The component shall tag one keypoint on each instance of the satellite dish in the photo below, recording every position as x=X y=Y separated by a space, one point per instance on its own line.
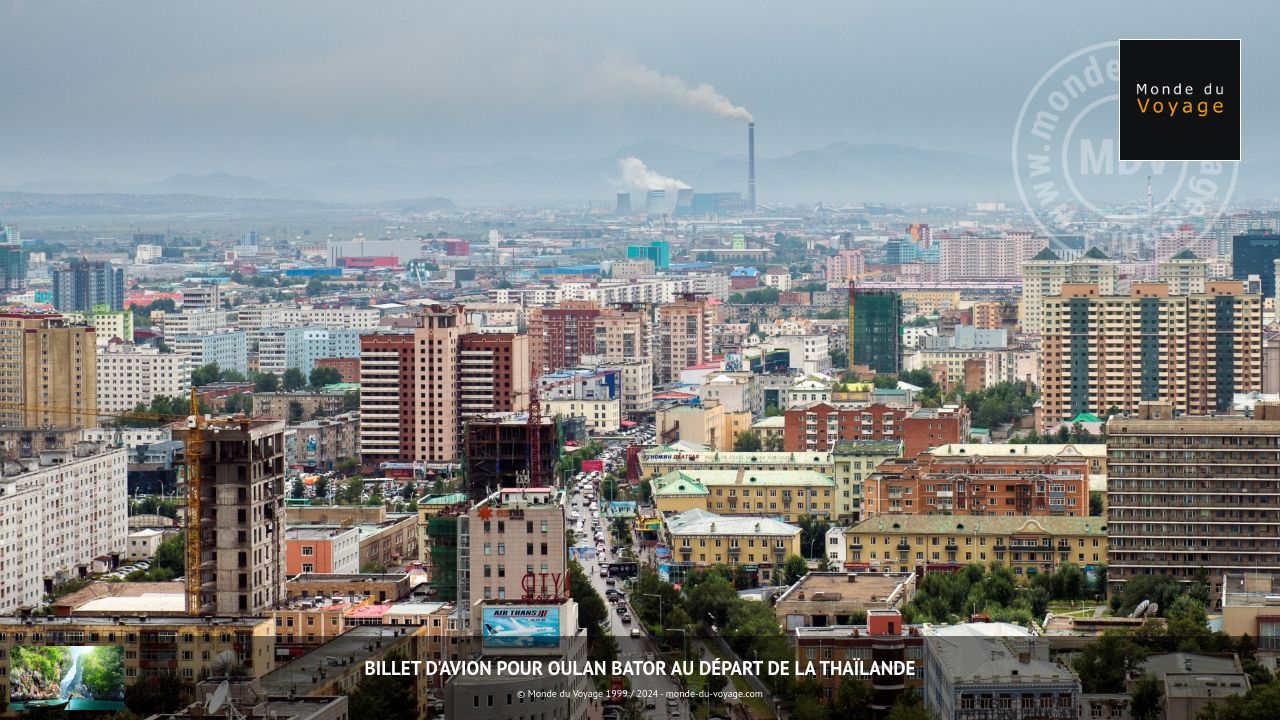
x=219 y=697
x=223 y=662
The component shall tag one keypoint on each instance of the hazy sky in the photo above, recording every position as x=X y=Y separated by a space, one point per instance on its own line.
x=137 y=91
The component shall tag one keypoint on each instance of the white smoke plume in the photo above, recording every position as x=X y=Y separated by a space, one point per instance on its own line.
x=632 y=77
x=636 y=175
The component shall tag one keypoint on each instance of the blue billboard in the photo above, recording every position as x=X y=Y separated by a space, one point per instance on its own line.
x=511 y=627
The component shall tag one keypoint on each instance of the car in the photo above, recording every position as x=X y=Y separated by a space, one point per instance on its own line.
x=622 y=609
x=635 y=633
x=648 y=656
x=672 y=704
x=604 y=573
x=626 y=619
x=610 y=581
x=649 y=703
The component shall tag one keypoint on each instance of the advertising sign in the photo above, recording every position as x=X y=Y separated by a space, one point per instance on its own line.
x=521 y=627
x=61 y=677
x=593 y=466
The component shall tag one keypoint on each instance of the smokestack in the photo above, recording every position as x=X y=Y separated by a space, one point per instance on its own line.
x=751 y=167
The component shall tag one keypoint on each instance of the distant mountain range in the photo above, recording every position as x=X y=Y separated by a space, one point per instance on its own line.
x=840 y=172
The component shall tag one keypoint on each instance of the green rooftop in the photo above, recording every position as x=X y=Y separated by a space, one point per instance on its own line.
x=744 y=477
x=981 y=525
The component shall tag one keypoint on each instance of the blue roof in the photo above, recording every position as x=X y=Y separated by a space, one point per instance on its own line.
x=570 y=270
x=744 y=272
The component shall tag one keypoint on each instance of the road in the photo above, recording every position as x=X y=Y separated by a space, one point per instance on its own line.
x=629 y=648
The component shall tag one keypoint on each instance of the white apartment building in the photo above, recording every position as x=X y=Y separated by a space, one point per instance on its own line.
x=201 y=297
x=59 y=513
x=1044 y=274
x=144 y=254
x=528 y=296
x=190 y=323
x=659 y=289
x=129 y=374
x=602 y=415
x=280 y=349
x=228 y=348
x=254 y=318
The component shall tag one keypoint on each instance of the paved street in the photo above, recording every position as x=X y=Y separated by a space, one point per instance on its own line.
x=630 y=648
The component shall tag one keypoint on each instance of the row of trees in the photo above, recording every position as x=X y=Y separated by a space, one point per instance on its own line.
x=293 y=378
x=750 y=441
x=995 y=592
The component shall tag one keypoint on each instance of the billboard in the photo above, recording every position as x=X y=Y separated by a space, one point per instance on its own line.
x=528 y=626
x=593 y=466
x=75 y=677
x=623 y=569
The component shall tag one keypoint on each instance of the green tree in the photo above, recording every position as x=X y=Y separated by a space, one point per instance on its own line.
x=384 y=697
x=747 y=441
x=352 y=491
x=1160 y=589
x=1068 y=582
x=920 y=378
x=1104 y=664
x=350 y=400
x=1147 y=699
x=238 y=403
x=1096 y=498
x=884 y=382
x=794 y=568
x=373 y=567
x=206 y=374
x=297 y=490
x=266 y=382
x=172 y=554
x=322 y=487
x=809 y=708
x=1187 y=622
x=839 y=358
x=294 y=380
x=712 y=597
x=295 y=411
x=813 y=536
x=315 y=286
x=322 y=376
x=909 y=706
x=852 y=700
x=153 y=695
x=593 y=616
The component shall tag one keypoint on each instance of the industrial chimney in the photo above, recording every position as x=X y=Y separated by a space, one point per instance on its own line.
x=751 y=167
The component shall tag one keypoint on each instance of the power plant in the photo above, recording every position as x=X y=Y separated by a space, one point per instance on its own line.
x=751 y=167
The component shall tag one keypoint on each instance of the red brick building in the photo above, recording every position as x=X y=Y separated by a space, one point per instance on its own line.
x=819 y=426
x=559 y=336
x=1053 y=485
x=930 y=427
x=348 y=368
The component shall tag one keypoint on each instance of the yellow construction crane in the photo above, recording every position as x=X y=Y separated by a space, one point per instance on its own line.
x=196 y=424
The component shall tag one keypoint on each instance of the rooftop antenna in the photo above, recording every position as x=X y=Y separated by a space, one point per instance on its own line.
x=1150 y=202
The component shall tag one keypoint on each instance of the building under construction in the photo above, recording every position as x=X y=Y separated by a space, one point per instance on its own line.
x=241 y=510
x=497 y=452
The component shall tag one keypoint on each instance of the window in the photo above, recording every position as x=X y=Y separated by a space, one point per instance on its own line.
x=308 y=550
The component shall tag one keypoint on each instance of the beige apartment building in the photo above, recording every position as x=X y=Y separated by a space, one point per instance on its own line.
x=1100 y=351
x=622 y=335
x=684 y=336
x=48 y=371
x=1044 y=275
x=513 y=538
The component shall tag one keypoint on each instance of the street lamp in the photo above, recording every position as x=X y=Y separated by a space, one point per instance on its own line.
x=685 y=635
x=659 y=606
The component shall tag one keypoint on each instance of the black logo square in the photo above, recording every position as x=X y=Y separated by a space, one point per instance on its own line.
x=1180 y=100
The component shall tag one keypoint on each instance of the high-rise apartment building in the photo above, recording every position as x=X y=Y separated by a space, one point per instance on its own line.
x=419 y=385
x=621 y=335
x=493 y=375
x=129 y=374
x=82 y=284
x=1254 y=253
x=875 y=329
x=13 y=268
x=229 y=349
x=1102 y=352
x=64 y=511
x=242 y=520
x=1044 y=275
x=559 y=336
x=846 y=266
x=968 y=257
x=1184 y=273
x=48 y=371
x=199 y=297
x=514 y=536
x=684 y=336
x=1185 y=493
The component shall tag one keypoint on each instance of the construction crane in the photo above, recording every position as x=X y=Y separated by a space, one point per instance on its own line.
x=196 y=424
x=535 y=427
